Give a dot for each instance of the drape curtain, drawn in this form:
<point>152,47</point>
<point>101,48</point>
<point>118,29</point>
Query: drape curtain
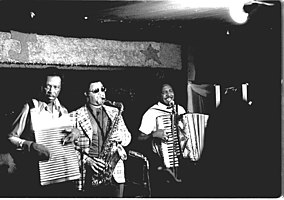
<point>198,97</point>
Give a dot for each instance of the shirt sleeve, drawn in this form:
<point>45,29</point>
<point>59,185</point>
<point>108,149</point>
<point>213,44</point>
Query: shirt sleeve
<point>181,110</point>
<point>18,127</point>
<point>148,123</point>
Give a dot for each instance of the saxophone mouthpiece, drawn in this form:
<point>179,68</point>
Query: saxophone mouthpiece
<point>108,102</point>
<point>113,103</point>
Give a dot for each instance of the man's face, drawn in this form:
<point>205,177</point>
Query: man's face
<point>52,88</point>
<point>96,94</point>
<point>167,94</point>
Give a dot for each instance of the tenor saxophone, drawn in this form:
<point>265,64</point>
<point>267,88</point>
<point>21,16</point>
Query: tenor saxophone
<point>111,151</point>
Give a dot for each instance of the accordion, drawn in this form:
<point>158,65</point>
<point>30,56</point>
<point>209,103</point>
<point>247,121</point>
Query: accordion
<point>192,128</point>
<point>63,164</point>
<point>169,150</point>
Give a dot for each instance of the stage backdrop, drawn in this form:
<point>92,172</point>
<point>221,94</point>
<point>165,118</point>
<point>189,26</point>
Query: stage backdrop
<point>32,50</point>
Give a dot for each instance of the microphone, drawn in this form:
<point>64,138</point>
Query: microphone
<point>172,103</point>
<point>136,154</point>
<point>173,106</point>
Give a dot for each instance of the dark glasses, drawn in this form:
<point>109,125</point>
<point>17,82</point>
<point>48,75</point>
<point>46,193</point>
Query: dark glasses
<point>102,89</point>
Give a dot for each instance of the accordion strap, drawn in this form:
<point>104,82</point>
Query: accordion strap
<point>161,110</point>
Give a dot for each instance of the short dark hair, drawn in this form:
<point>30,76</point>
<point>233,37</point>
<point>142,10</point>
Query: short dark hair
<point>89,82</point>
<point>52,71</point>
<point>160,85</point>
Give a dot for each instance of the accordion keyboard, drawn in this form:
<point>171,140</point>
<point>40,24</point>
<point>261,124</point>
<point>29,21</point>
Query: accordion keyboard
<point>170,149</point>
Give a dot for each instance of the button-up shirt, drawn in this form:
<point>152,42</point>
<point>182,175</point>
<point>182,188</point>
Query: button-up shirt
<point>149,123</point>
<point>23,121</point>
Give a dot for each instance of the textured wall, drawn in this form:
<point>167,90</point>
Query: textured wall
<point>16,47</point>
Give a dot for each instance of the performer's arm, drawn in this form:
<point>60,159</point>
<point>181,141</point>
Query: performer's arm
<point>143,136</point>
<point>148,128</point>
<point>160,133</point>
<point>18,127</point>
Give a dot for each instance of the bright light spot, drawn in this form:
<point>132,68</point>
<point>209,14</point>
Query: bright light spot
<point>237,13</point>
<point>32,14</point>
<point>250,103</point>
<point>235,7</point>
<point>85,17</point>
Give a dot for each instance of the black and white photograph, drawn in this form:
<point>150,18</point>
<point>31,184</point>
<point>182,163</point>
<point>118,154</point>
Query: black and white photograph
<point>141,99</point>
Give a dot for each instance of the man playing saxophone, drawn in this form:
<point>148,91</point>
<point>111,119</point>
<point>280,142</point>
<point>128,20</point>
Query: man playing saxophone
<point>103,134</point>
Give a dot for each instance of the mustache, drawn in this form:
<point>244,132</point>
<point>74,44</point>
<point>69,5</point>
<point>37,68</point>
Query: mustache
<point>50,96</point>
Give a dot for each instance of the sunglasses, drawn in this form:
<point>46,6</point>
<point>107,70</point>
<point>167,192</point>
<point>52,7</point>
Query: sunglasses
<point>102,89</point>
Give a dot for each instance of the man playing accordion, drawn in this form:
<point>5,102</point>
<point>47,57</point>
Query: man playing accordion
<point>158,125</point>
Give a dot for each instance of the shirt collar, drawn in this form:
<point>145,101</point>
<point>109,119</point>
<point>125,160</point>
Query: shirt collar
<point>163,106</point>
<point>94,108</point>
<point>57,105</point>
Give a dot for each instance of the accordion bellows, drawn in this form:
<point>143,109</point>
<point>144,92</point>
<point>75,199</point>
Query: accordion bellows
<point>192,131</point>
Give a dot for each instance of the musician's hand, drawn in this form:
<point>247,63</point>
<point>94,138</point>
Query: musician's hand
<point>72,135</point>
<point>96,164</point>
<point>7,164</point>
<point>116,137</point>
<point>160,133</point>
<point>40,152</point>
<point>180,125</point>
